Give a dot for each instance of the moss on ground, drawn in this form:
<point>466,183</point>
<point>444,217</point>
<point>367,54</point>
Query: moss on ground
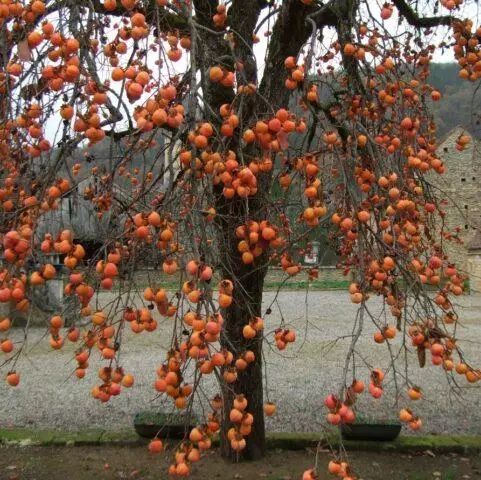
<point>285,441</point>
<point>50,437</point>
<point>122,436</point>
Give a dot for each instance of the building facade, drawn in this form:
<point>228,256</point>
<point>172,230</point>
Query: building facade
<point>459,194</point>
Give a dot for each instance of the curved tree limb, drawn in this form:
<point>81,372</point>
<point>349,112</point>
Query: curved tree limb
<point>415,20</point>
<point>289,34</point>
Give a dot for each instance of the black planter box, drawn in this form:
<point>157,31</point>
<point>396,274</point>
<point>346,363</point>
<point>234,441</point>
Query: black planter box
<point>176,428</point>
<point>381,432</point>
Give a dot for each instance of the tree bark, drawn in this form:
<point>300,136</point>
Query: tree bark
<point>247,303</point>
<point>248,281</point>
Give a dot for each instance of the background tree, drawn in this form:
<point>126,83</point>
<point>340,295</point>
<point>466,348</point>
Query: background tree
<point>197,105</point>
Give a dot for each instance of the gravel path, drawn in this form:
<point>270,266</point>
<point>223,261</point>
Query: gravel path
<point>49,397</point>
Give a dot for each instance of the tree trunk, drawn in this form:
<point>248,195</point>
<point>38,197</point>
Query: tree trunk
<point>248,286</point>
<point>248,282</point>
<point>290,32</point>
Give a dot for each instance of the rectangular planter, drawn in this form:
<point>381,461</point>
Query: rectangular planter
<point>371,431</point>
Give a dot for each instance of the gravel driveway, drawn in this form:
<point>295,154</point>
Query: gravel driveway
<point>298,379</point>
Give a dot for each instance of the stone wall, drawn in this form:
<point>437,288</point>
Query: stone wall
<point>459,191</point>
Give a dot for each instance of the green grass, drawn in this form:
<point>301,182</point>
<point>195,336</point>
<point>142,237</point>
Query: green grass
<point>304,284</point>
<point>271,285</point>
<point>283,440</point>
<point>449,475</point>
<point>276,277</point>
<point>161,418</point>
<point>377,421</point>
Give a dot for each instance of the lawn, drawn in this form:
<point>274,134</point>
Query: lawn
<point>275,278</point>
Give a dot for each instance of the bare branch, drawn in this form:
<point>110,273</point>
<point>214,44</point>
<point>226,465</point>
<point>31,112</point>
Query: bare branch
<point>421,22</point>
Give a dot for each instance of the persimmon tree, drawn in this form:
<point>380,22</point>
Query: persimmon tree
<point>268,120</point>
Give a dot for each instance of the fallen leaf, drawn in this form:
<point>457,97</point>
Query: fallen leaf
<point>430,453</point>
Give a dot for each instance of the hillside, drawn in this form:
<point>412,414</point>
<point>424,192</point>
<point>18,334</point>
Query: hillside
<point>461,103</point>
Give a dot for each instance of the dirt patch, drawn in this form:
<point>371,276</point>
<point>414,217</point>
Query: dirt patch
<point>135,462</point>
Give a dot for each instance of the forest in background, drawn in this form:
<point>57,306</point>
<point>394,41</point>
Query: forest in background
<point>461,103</point>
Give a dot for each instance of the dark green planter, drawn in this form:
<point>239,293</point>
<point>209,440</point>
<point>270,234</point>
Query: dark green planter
<point>150,425</point>
<point>380,432</point>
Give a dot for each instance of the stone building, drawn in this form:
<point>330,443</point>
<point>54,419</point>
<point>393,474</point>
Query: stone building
<point>474,263</point>
<point>459,191</point>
